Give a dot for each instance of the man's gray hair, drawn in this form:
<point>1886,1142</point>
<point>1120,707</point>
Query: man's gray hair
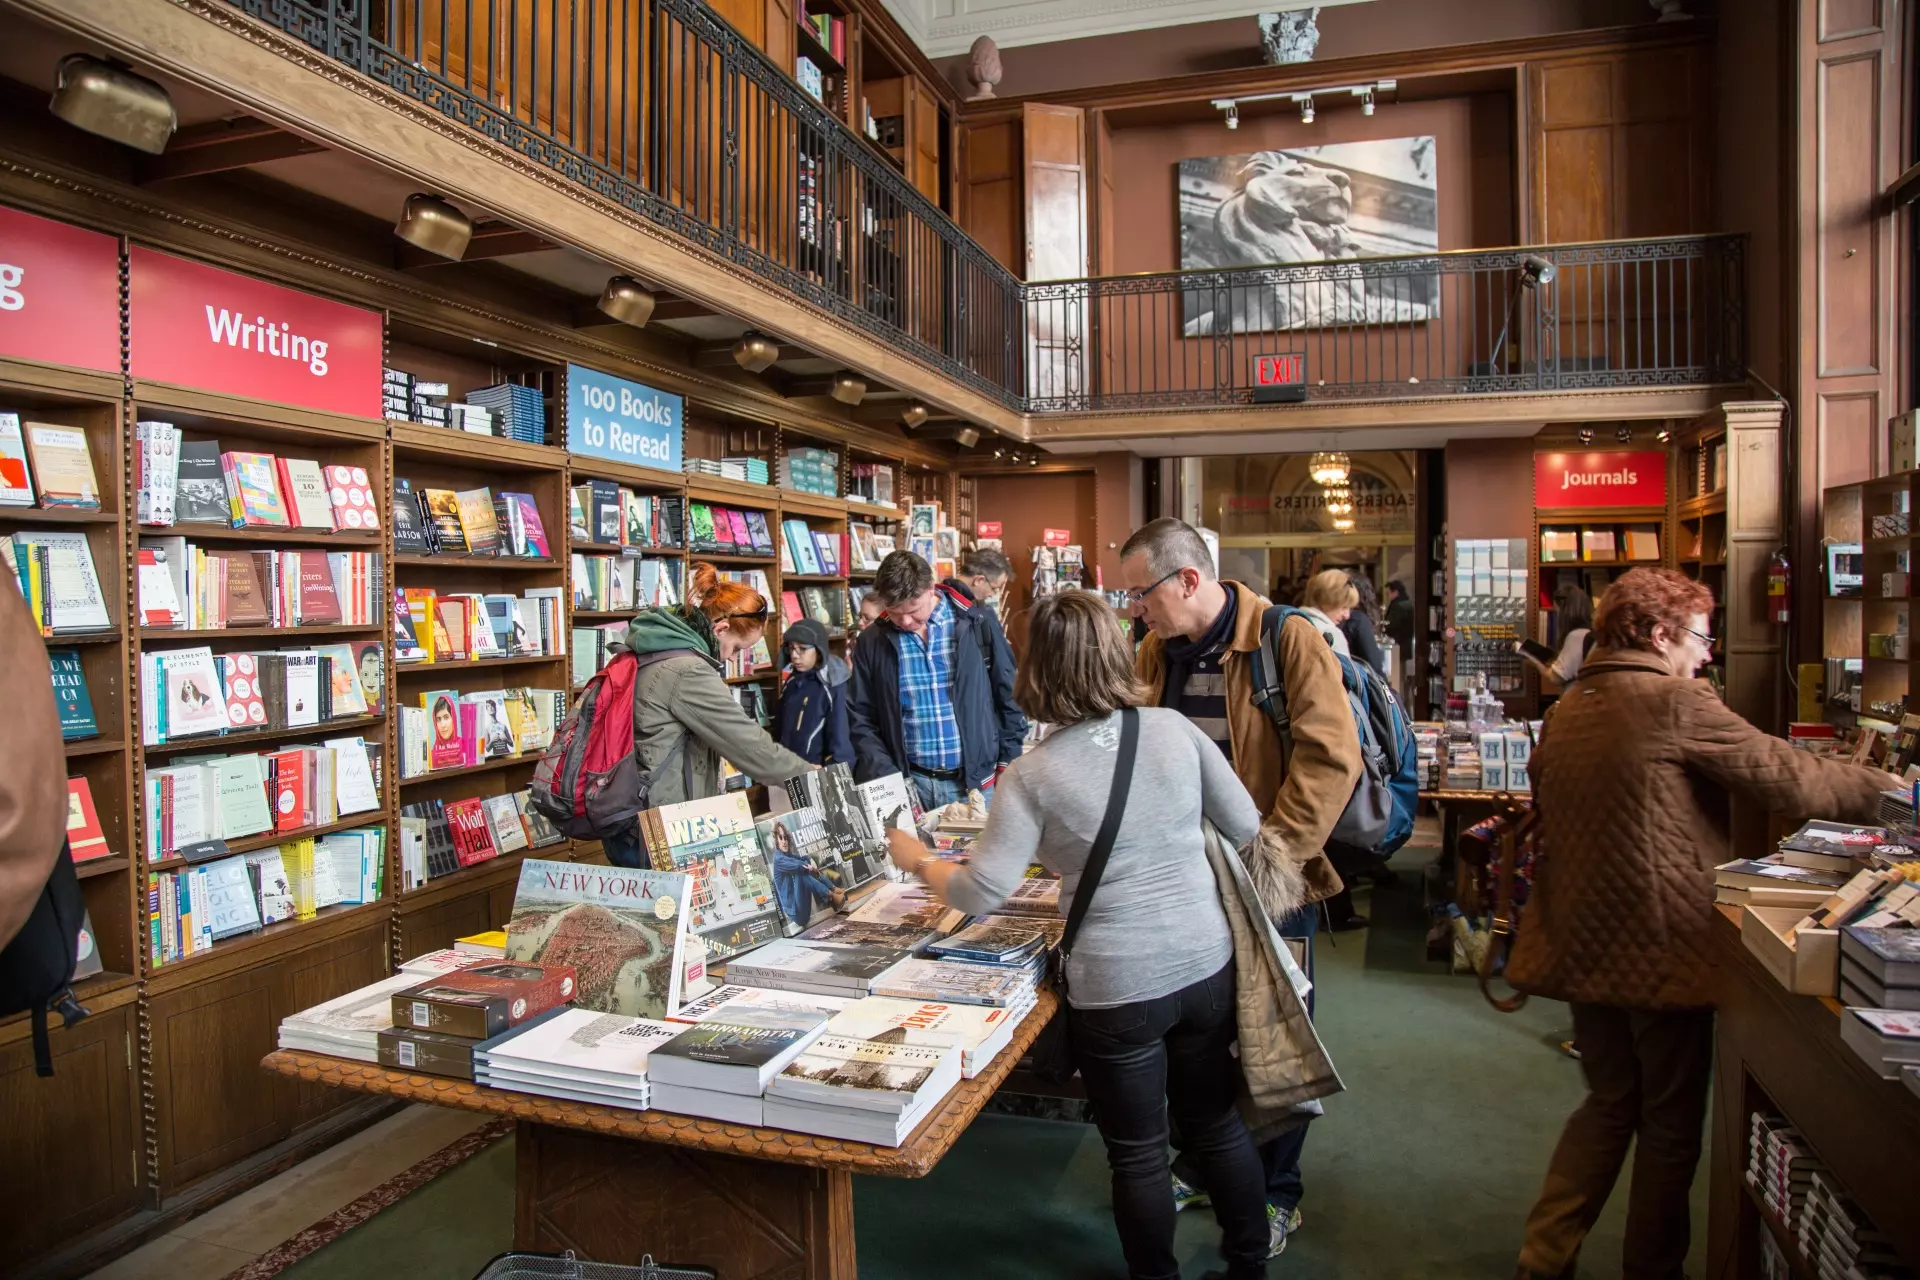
<point>986,562</point>
<point>1170,545</point>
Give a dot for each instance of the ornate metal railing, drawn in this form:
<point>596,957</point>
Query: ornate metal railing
<point>666,111</point>
<point>1641,313</point>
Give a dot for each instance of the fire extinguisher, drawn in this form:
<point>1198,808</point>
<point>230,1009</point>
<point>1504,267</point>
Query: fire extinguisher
<point>1779,586</point>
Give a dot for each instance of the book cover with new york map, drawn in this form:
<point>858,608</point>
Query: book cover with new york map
<point>624,930</point>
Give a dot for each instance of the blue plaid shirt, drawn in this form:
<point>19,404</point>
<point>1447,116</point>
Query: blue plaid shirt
<point>927,722</point>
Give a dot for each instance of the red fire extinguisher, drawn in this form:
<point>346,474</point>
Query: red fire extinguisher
<point>1779,586</point>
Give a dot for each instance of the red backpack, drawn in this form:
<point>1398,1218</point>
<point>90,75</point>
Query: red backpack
<point>590,781</point>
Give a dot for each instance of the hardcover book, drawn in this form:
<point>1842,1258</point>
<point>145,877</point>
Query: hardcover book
<point>443,507</point>
<point>884,1073</point>
<point>62,465</point>
<point>70,695</point>
<point>484,1000</point>
<point>790,964</point>
<point>625,930</point>
<point>253,490</point>
<point>732,904</point>
<point>582,1045</point>
<point>433,1052</point>
<point>952,982</point>
<point>732,997</point>
<point>305,490</point>
<point>736,1052</point>
<point>202,488</point>
<point>477,524</point>
<point>84,836</point>
<point>16,477</point>
<point>352,499</point>
<point>409,536</point>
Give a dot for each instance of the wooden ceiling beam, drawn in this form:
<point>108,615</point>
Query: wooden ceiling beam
<point>223,145</point>
<point>490,240</point>
<point>671,306</point>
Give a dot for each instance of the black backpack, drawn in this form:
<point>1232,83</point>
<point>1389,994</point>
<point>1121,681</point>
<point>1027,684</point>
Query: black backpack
<point>36,968</point>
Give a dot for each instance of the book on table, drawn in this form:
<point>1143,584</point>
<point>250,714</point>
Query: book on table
<point>576,1050</point>
<point>1861,990</point>
<point>862,1091</point>
<point>733,997</point>
<point>624,929</point>
<point>789,964</point>
<point>998,944</point>
<point>845,931</point>
<point>1886,1039</point>
<point>956,982</point>
<point>1890,956</point>
<point>732,906</point>
<point>981,1031</point>
<point>347,1026</point>
<point>906,902</point>
<point>736,1052</point>
<point>484,1000</point>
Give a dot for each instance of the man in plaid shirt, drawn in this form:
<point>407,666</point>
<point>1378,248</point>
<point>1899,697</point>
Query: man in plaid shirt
<point>932,689</point>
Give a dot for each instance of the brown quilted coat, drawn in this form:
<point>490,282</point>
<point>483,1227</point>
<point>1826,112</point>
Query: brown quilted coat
<point>1633,779</point>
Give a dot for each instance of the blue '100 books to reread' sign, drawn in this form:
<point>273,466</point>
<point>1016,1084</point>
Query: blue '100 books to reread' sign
<point>622,421</point>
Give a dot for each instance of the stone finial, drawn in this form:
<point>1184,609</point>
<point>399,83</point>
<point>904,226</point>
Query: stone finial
<point>983,68</point>
<point>1291,36</point>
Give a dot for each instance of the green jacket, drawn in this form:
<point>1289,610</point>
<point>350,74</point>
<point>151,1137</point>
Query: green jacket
<point>683,704</point>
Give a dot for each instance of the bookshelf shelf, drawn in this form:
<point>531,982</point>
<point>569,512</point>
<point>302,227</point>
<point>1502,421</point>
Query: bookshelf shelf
<point>478,664</point>
<point>756,677</point>
<point>94,746</point>
<point>811,579</point>
<point>524,564</point>
<point>267,839</point>
<point>83,637</point>
<point>261,937</point>
<point>802,503</point>
<point>329,728</point>
<point>485,766</point>
<point>275,536</point>
<point>213,413</point>
<point>56,515</point>
<point>418,441</point>
<point>160,635</point>
<point>732,493</point>
<point>722,557</point>
<point>112,864</point>
<point>650,479</point>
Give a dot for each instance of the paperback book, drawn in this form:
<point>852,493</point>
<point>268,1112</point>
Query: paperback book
<point>732,906</point>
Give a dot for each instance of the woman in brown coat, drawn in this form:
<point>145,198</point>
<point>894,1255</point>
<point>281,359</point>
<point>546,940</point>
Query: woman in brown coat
<point>1633,779</point>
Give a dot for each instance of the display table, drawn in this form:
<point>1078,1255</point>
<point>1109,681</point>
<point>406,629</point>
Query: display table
<point>1781,1052</point>
<point>614,1185</point>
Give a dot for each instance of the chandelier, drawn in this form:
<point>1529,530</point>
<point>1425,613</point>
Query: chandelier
<point>1342,524</point>
<point>1329,468</point>
<point>1339,500</point>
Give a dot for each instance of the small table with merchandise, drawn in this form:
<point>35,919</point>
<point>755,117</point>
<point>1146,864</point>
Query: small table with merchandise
<point>615,1185</point>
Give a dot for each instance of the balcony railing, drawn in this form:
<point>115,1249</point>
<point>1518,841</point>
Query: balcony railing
<point>665,110</point>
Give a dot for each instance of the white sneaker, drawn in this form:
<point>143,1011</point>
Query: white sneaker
<point>1278,1229</point>
<point>1186,1195</point>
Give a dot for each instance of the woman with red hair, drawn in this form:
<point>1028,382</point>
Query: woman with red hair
<point>1634,776</point>
<point>685,719</point>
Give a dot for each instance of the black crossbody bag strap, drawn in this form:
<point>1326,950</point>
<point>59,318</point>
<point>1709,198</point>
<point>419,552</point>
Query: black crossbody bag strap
<point>1109,830</point>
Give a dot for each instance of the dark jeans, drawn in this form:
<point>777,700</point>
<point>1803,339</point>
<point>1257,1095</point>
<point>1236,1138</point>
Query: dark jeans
<point>625,850</point>
<point>1172,1056</point>
<point>1647,1075</point>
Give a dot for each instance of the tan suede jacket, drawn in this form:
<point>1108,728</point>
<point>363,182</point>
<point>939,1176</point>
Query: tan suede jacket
<point>1633,779</point>
<point>33,776</point>
<point>1302,797</point>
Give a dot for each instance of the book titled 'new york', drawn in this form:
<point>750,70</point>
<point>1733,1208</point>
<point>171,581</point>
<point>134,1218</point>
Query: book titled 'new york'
<point>624,932</point>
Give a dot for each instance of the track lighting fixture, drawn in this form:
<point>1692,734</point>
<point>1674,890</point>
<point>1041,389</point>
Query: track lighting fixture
<point>914,415</point>
<point>107,99</point>
<point>1535,271</point>
<point>431,224</point>
<point>627,300</point>
<point>1366,103</point>
<point>1366,94</point>
<point>755,352</point>
<point>966,437</point>
<point>1233,116</point>
<point>1585,434</point>
<point>1663,435</point>
<point>1306,107</point>
<point>848,389</point>
<point>1623,433</point>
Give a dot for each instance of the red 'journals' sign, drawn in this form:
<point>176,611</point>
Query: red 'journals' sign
<point>986,529</point>
<point>1056,537</point>
<point>59,293</point>
<point>1600,479</point>
<point>199,326</point>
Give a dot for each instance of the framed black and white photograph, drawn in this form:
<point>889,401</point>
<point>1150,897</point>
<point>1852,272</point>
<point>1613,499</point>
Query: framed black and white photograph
<point>1330,205</point>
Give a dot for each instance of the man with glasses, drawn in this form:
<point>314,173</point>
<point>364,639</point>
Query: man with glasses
<point>984,575</point>
<point>932,689</point>
<point>1196,659</point>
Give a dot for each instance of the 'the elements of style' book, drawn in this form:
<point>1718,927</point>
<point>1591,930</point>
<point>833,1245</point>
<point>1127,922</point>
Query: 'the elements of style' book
<point>623,930</point>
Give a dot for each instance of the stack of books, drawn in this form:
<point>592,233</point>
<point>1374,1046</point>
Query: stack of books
<point>347,1026</point>
<point>980,1031</point>
<point>862,1090</point>
<point>440,1023</point>
<point>751,470</point>
<point>720,1067</point>
<point>519,413</point>
<point>957,982</point>
<point>811,471</point>
<point>729,998</point>
<point>577,1054</point>
<point>431,626</point>
<point>788,964</point>
<point>454,730</point>
<point>469,522</point>
<point>1880,968</point>
<point>194,804</point>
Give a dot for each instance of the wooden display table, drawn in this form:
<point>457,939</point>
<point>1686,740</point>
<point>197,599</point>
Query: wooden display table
<point>1780,1052</point>
<point>614,1185</point>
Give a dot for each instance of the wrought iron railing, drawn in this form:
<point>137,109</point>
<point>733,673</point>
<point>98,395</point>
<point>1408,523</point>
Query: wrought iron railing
<point>663,109</point>
<point>1642,313</point>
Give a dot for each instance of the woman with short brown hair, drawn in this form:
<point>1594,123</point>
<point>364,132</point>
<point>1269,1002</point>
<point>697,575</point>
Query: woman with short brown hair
<point>1151,973</point>
<point>1633,779</point>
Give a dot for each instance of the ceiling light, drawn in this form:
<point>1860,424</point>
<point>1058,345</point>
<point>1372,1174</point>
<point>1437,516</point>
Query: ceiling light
<point>1339,500</point>
<point>1306,107</point>
<point>967,437</point>
<point>1343,523</point>
<point>105,98</point>
<point>431,224</point>
<point>755,352</point>
<point>1033,460</point>
<point>1233,116</point>
<point>1366,103</point>
<point>627,301</point>
<point>1663,435</point>
<point>1329,468</point>
<point>848,389</point>
<point>1585,434</point>
<point>1623,433</point>
<point>914,415</point>
<point>1535,271</point>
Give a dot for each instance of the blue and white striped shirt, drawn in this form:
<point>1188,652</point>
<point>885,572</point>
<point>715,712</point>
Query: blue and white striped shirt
<point>928,726</point>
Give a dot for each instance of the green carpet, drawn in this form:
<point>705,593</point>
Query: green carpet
<point>1426,1167</point>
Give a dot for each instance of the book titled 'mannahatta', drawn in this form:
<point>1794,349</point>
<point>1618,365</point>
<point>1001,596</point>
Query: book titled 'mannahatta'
<point>623,930</point>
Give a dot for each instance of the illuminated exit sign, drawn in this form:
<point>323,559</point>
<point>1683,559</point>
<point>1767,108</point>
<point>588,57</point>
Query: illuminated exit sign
<point>1279,379</point>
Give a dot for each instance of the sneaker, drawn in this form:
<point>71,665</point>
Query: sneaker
<point>1186,1195</point>
<point>1279,1228</point>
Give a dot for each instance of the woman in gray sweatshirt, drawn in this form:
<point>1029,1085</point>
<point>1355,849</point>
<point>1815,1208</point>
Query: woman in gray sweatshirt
<point>1150,979</point>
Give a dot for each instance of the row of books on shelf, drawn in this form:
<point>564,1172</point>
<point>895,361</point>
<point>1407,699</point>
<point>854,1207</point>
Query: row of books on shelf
<point>853,1025</point>
<point>812,551</point>
<point>1599,546</point>
<point>439,837</point>
<point>810,470</point>
<point>1816,1216</point>
<point>193,807</point>
<point>454,730</point>
<point>757,656</point>
<point>602,583</point>
<point>729,531</point>
<point>190,910</point>
<point>744,470</point>
<point>46,464</point>
<point>186,693</point>
<point>56,575</point>
<point>433,627</point>
<point>829,28</point>
<point>470,522</point>
<point>826,606</point>
<point>180,481</point>
<point>871,482</point>
<point>507,410</point>
<point>183,585</point>
<point>610,515</point>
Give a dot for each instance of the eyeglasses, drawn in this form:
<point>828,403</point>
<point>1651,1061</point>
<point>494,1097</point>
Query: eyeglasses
<point>1135,596</point>
<point>758,615</point>
<point>1705,640</point>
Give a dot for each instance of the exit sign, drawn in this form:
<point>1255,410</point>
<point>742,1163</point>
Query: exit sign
<point>1279,379</point>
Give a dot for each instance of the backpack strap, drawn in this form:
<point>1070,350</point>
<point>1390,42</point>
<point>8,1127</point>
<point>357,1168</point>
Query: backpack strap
<point>1269,675</point>
<point>641,662</point>
<point>1102,846</point>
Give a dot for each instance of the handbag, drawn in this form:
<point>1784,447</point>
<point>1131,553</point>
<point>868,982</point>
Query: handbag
<point>1051,1057</point>
<point>1518,842</point>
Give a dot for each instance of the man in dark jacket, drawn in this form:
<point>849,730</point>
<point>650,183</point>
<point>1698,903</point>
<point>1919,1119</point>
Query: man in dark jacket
<point>984,575</point>
<point>813,697</point>
<point>932,688</point>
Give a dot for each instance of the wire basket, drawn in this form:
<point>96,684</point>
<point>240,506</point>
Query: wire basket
<point>565,1266</point>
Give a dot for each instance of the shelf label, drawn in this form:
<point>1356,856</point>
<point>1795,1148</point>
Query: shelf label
<point>59,293</point>
<point>200,326</point>
<point>622,421</point>
<point>1600,479</point>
